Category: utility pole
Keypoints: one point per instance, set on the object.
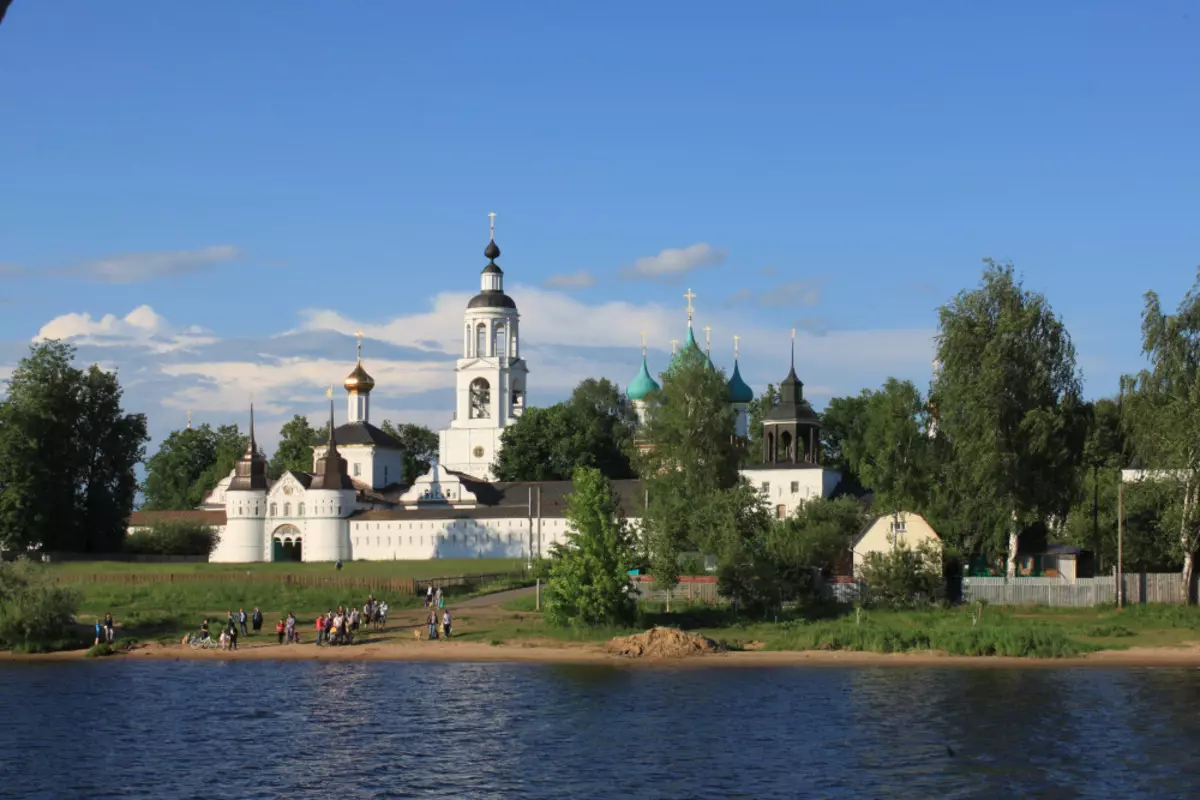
(1120, 543)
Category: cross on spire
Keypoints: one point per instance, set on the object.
(736, 339)
(359, 335)
(329, 391)
(707, 338)
(690, 310)
(793, 349)
(674, 345)
(643, 344)
(492, 224)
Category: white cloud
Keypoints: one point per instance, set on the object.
(673, 263)
(137, 267)
(141, 327)
(575, 280)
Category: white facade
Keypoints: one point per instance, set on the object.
(785, 489)
(891, 531)
(369, 465)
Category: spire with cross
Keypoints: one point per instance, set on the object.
(690, 309)
(708, 339)
(793, 349)
(736, 339)
(674, 346)
(359, 335)
(492, 225)
(189, 419)
(643, 344)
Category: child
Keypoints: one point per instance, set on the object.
(279, 631)
(320, 629)
(99, 633)
(446, 622)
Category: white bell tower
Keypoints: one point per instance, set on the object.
(490, 377)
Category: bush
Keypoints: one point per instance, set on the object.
(904, 578)
(172, 538)
(35, 614)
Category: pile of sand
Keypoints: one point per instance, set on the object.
(663, 643)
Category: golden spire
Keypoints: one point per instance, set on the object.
(674, 345)
(329, 391)
(708, 339)
(643, 344)
(359, 335)
(690, 310)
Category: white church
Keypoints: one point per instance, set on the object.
(356, 503)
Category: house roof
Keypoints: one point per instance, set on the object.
(205, 517)
(353, 433)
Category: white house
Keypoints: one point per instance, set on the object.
(904, 529)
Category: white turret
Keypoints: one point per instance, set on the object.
(244, 537)
(330, 499)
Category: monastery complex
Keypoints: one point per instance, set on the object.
(356, 503)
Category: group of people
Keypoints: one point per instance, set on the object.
(432, 622)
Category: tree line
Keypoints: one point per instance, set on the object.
(1000, 453)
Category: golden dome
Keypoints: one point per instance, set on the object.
(359, 381)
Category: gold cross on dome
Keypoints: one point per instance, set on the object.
(189, 419)
(674, 345)
(643, 343)
(690, 297)
(492, 224)
(329, 391)
(736, 339)
(359, 334)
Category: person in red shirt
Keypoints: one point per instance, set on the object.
(279, 631)
(320, 628)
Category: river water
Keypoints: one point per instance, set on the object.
(187, 729)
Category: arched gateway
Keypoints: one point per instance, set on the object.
(285, 544)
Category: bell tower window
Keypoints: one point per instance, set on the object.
(481, 340)
(500, 341)
(481, 397)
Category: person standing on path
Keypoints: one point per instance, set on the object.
(446, 623)
(242, 621)
(109, 625)
(233, 635)
(431, 620)
(429, 595)
(440, 601)
(320, 628)
(257, 619)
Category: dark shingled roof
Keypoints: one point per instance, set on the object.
(492, 300)
(363, 433)
(510, 500)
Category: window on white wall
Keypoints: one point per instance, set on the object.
(273, 509)
(795, 487)
(357, 469)
(300, 509)
(287, 509)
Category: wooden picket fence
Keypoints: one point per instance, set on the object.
(1143, 587)
(690, 589)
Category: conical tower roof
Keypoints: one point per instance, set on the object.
(643, 384)
(250, 471)
(330, 472)
(739, 390)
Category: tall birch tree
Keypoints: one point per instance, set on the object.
(1162, 410)
(1009, 418)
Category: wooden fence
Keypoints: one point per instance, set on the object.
(690, 589)
(1152, 587)
(410, 586)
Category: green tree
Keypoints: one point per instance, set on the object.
(1163, 413)
(889, 449)
(67, 454)
(188, 464)
(296, 441)
(593, 428)
(692, 456)
(173, 472)
(1092, 520)
(589, 573)
(36, 613)
(420, 447)
(1008, 410)
(786, 560)
(904, 577)
(842, 424)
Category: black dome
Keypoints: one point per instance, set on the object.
(492, 269)
(492, 251)
(491, 300)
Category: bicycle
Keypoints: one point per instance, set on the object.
(197, 643)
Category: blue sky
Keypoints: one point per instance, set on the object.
(261, 179)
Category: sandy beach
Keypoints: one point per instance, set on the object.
(594, 654)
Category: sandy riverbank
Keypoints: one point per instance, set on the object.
(594, 654)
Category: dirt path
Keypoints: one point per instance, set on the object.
(496, 599)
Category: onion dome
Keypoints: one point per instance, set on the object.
(491, 280)
(739, 390)
(359, 381)
(642, 385)
(491, 252)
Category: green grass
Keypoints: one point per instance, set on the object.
(431, 568)
(1028, 632)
